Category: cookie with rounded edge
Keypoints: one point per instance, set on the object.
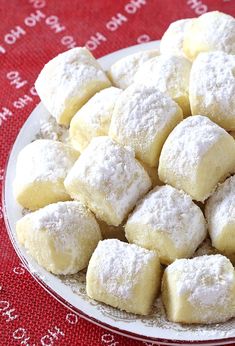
(212, 88)
(170, 74)
(61, 237)
(122, 72)
(94, 118)
(173, 38)
(68, 81)
(220, 214)
(40, 172)
(124, 276)
(199, 290)
(108, 179)
(142, 118)
(212, 31)
(196, 156)
(167, 220)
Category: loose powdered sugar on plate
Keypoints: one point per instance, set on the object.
(50, 129)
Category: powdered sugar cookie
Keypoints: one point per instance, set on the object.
(142, 118)
(167, 220)
(173, 38)
(124, 276)
(67, 81)
(199, 290)
(61, 236)
(122, 72)
(40, 172)
(212, 88)
(108, 179)
(93, 119)
(170, 74)
(212, 31)
(220, 214)
(196, 156)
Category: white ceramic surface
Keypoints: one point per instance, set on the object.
(70, 290)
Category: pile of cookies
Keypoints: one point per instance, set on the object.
(150, 160)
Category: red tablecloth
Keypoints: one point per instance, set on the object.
(31, 33)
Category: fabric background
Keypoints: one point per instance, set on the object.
(31, 33)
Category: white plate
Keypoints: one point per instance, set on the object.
(70, 290)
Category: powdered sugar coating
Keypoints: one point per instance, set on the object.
(196, 156)
(189, 142)
(142, 118)
(212, 31)
(166, 209)
(114, 259)
(167, 221)
(122, 71)
(102, 103)
(124, 276)
(172, 39)
(212, 88)
(64, 219)
(220, 208)
(207, 281)
(61, 236)
(41, 168)
(67, 81)
(44, 159)
(107, 169)
(170, 74)
(93, 119)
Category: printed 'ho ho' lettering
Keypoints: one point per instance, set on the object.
(15, 79)
(198, 6)
(134, 5)
(95, 40)
(34, 18)
(48, 339)
(116, 22)
(54, 23)
(14, 35)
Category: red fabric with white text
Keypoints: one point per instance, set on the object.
(31, 33)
